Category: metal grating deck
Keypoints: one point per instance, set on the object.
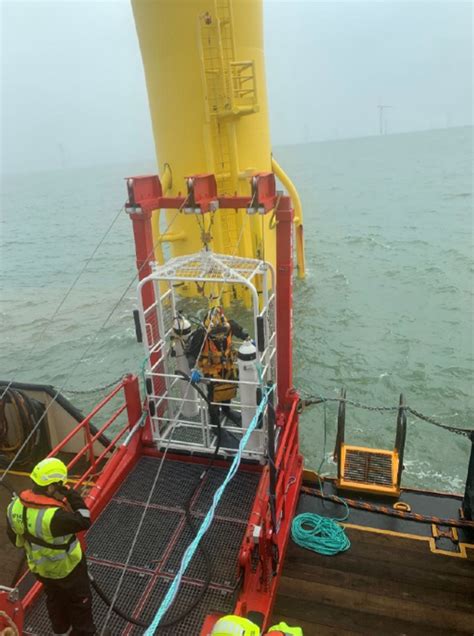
(368, 467)
(163, 538)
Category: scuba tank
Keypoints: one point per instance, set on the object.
(181, 334)
(247, 364)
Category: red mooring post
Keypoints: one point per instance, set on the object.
(284, 300)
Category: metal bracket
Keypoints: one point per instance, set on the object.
(13, 593)
(263, 193)
(202, 193)
(144, 193)
(257, 531)
(446, 538)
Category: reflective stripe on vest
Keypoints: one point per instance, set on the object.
(229, 628)
(9, 513)
(282, 629)
(39, 521)
(19, 542)
(49, 562)
(61, 556)
(235, 626)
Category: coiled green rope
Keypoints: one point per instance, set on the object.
(320, 534)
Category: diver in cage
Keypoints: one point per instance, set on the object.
(210, 348)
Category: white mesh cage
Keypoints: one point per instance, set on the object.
(167, 390)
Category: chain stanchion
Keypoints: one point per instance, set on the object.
(94, 390)
(312, 401)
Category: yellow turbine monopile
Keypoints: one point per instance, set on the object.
(205, 75)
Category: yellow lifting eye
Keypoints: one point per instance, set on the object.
(402, 505)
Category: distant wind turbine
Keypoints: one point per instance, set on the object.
(381, 108)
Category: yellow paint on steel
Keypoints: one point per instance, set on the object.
(402, 505)
(298, 208)
(463, 547)
(205, 76)
(166, 183)
(344, 483)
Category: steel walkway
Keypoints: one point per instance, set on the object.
(161, 543)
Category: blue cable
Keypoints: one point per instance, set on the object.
(191, 549)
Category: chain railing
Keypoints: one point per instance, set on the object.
(314, 400)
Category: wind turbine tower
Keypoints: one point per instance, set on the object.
(381, 108)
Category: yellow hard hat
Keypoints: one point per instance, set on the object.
(49, 471)
(283, 628)
(235, 626)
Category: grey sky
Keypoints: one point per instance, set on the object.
(73, 90)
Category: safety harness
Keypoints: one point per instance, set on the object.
(219, 364)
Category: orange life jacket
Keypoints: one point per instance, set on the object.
(32, 499)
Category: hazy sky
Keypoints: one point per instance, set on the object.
(73, 90)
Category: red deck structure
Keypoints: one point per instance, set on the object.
(261, 529)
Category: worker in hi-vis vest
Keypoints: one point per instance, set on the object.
(233, 625)
(43, 521)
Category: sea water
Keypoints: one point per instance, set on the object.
(386, 306)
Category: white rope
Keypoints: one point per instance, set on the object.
(208, 519)
(85, 352)
(66, 296)
(163, 457)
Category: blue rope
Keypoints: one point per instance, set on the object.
(191, 549)
(320, 534)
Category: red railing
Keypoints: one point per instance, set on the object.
(263, 548)
(122, 457)
(132, 394)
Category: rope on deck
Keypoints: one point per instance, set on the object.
(315, 532)
(387, 510)
(320, 534)
(191, 549)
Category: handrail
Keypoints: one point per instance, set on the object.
(298, 220)
(283, 442)
(106, 450)
(117, 465)
(341, 430)
(468, 499)
(264, 544)
(401, 436)
(131, 404)
(86, 420)
(91, 440)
